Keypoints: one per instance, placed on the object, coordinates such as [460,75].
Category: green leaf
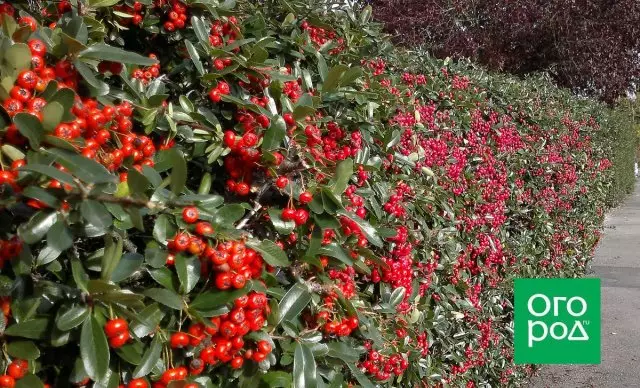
[277,379]
[275,134]
[178,172]
[323,71]
[343,351]
[344,171]
[293,302]
[111,257]
[17,58]
[66,98]
[283,227]
[52,114]
[351,75]
[147,320]
[59,237]
[96,214]
[336,251]
[363,380]
[163,228]
[102,3]
[210,300]
[165,297]
[72,317]
[188,269]
[369,231]
[304,367]
[228,214]
[25,350]
[138,183]
[129,263]
[30,127]
[270,252]
[33,231]
[105,52]
[149,359]
[94,349]
[29,381]
[51,172]
[86,169]
[365,15]
[100,87]
[195,57]
[202,32]
[37,328]
[333,78]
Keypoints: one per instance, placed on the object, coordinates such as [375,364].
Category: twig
[246,219]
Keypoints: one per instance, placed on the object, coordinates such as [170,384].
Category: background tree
[590,46]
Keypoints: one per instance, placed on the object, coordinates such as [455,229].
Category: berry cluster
[223,30]
[381,367]
[135,12]
[9,248]
[176,18]
[148,73]
[16,370]
[320,36]
[117,331]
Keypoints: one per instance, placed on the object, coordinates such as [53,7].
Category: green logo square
[557,321]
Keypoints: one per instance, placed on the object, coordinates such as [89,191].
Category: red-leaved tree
[590,46]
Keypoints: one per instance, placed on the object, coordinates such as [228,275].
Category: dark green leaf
[163,228]
[59,237]
[25,350]
[344,171]
[149,358]
[336,251]
[51,172]
[270,252]
[100,87]
[105,52]
[94,349]
[210,300]
[165,297]
[188,269]
[147,321]
[369,231]
[194,57]
[37,328]
[30,127]
[178,172]
[343,351]
[86,169]
[333,78]
[34,230]
[304,367]
[96,214]
[72,317]
[275,134]
[129,263]
[277,379]
[29,381]
[52,114]
[293,302]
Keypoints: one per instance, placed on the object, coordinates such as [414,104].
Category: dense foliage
[223,195]
[591,46]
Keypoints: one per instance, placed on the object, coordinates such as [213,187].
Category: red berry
[115,326]
[288,214]
[264,347]
[27,79]
[214,95]
[190,214]
[138,383]
[223,88]
[242,189]
[237,362]
[301,217]
[282,182]
[179,340]
[218,63]
[119,340]
[7,381]
[306,197]
[288,119]
[204,228]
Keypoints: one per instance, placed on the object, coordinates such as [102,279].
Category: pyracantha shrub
[198,194]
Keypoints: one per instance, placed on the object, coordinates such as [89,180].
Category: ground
[617,263]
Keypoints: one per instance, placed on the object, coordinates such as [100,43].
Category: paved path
[617,263]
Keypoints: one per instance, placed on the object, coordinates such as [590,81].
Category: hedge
[270,194]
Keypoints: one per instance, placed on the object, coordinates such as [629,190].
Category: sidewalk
[617,263]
